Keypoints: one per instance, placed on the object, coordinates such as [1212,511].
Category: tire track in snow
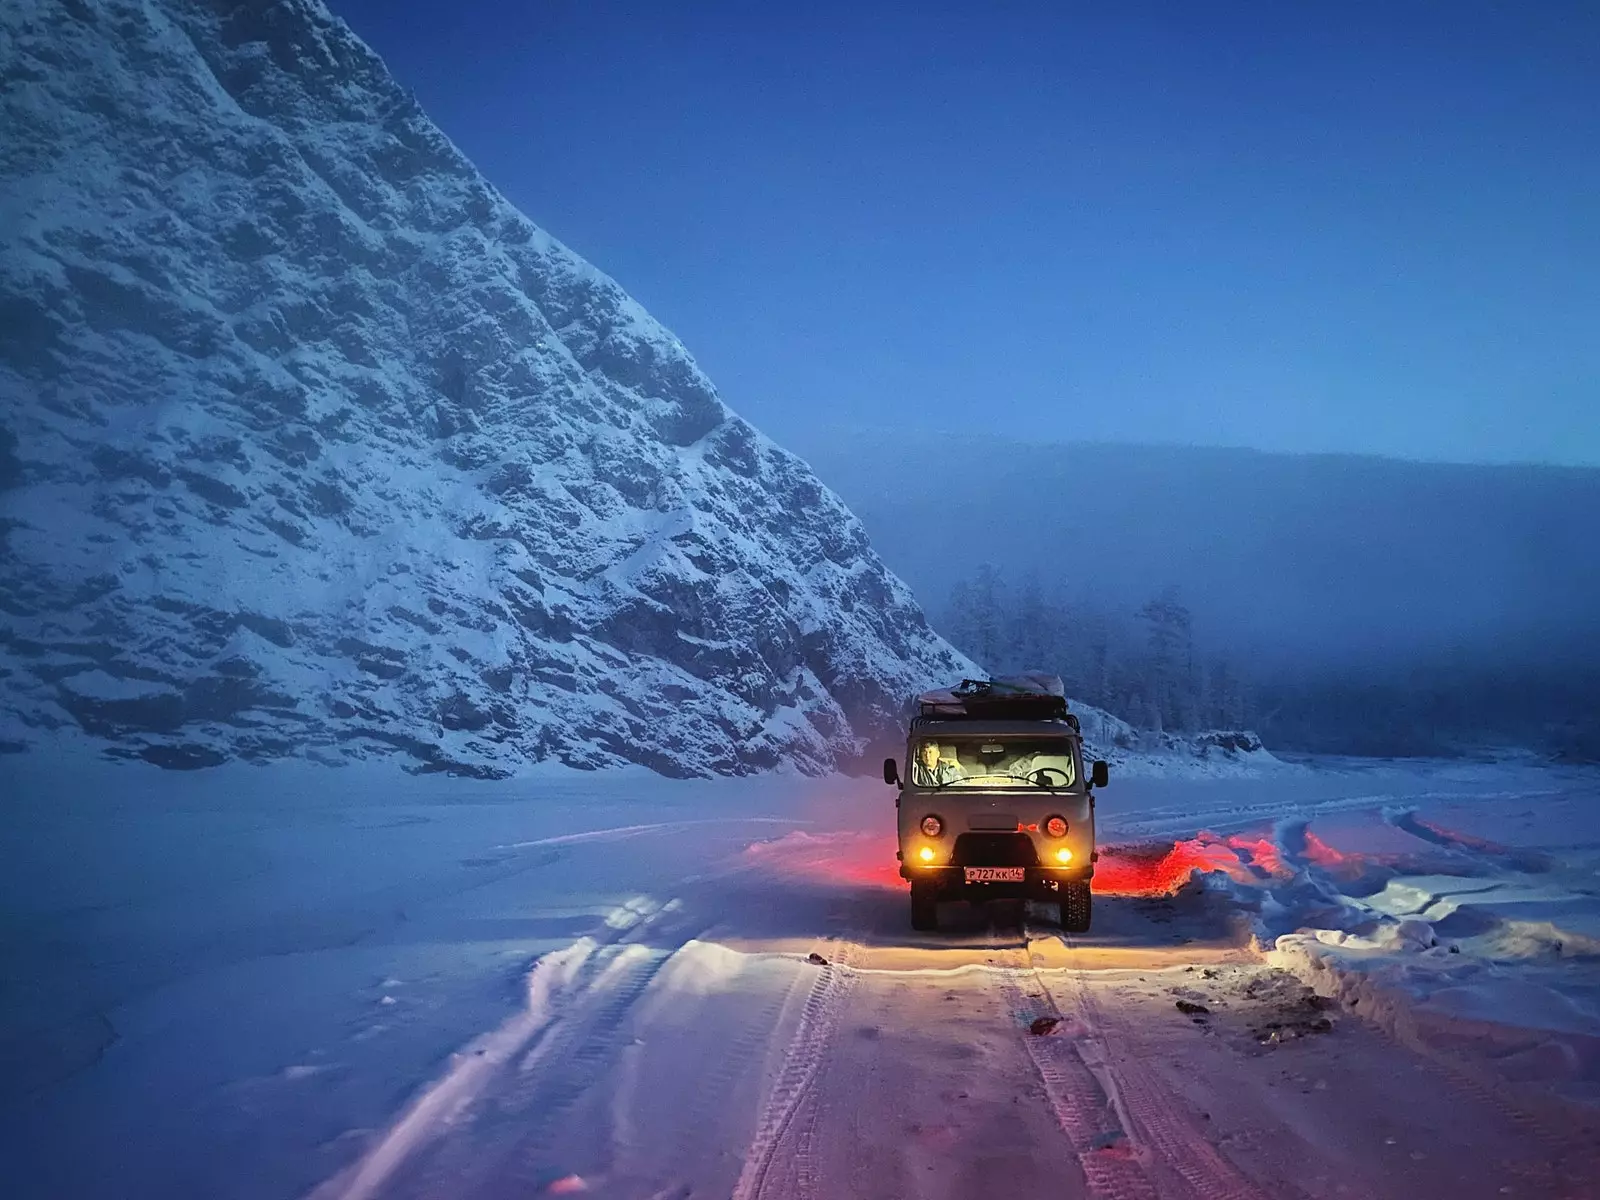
[1085,1106]
[1571,1149]
[516,1147]
[1576,1152]
[587,975]
[1185,820]
[1160,1125]
[1163,1141]
[560,1072]
[619,833]
[443,1101]
[702,1107]
[1474,849]
[788,1116]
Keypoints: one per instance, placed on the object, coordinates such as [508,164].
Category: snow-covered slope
[311,443]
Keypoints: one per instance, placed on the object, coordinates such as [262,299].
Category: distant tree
[1170,674]
[1096,657]
[987,591]
[1029,639]
[1145,667]
[960,619]
[1222,703]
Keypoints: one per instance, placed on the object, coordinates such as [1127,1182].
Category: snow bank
[1466,924]
[1143,754]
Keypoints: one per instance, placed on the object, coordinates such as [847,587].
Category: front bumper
[1037,882]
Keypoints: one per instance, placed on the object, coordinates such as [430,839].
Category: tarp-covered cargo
[1031,696]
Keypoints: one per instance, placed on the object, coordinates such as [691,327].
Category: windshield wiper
[1046,772]
[1049,787]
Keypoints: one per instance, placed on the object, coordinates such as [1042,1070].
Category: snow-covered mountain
[310,443]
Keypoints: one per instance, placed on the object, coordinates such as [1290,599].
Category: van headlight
[932,826]
[1056,826]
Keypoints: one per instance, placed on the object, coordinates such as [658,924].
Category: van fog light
[926,854]
[1064,855]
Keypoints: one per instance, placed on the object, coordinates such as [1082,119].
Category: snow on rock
[1145,753]
[311,444]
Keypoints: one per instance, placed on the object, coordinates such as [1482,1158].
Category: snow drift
[310,443]
[1452,905]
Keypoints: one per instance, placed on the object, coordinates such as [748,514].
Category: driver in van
[934,770]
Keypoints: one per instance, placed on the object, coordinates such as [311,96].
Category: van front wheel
[924,907]
[1077,906]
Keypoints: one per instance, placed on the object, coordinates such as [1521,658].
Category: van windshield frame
[1021,761]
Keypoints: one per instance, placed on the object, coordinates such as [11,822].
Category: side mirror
[1099,774]
[891,772]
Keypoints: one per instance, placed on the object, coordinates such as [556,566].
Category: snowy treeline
[1444,705]
[1146,664]
[1150,665]
[1377,607]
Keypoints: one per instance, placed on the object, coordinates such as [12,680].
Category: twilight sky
[1364,226]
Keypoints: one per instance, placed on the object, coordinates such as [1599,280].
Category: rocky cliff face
[310,443]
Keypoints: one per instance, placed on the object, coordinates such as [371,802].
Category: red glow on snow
[1321,854]
[1471,841]
[1161,868]
[1262,852]
[1158,870]
[856,858]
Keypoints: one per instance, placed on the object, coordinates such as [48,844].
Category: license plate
[995,874]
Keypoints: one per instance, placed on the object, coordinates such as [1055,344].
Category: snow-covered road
[335,984]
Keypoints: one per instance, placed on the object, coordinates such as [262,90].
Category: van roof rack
[1031,697]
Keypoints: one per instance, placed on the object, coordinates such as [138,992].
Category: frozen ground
[295,981]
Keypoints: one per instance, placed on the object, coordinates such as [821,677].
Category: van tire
[924,908]
[1077,908]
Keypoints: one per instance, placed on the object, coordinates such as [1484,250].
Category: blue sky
[1367,227]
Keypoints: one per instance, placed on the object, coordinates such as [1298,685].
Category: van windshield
[993,762]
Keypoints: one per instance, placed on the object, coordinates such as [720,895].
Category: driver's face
[929,755]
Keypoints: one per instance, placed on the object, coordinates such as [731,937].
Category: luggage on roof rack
[1030,697]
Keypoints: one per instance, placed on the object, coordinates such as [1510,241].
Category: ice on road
[356,984]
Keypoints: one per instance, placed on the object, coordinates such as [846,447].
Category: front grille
[993,820]
[995,850]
